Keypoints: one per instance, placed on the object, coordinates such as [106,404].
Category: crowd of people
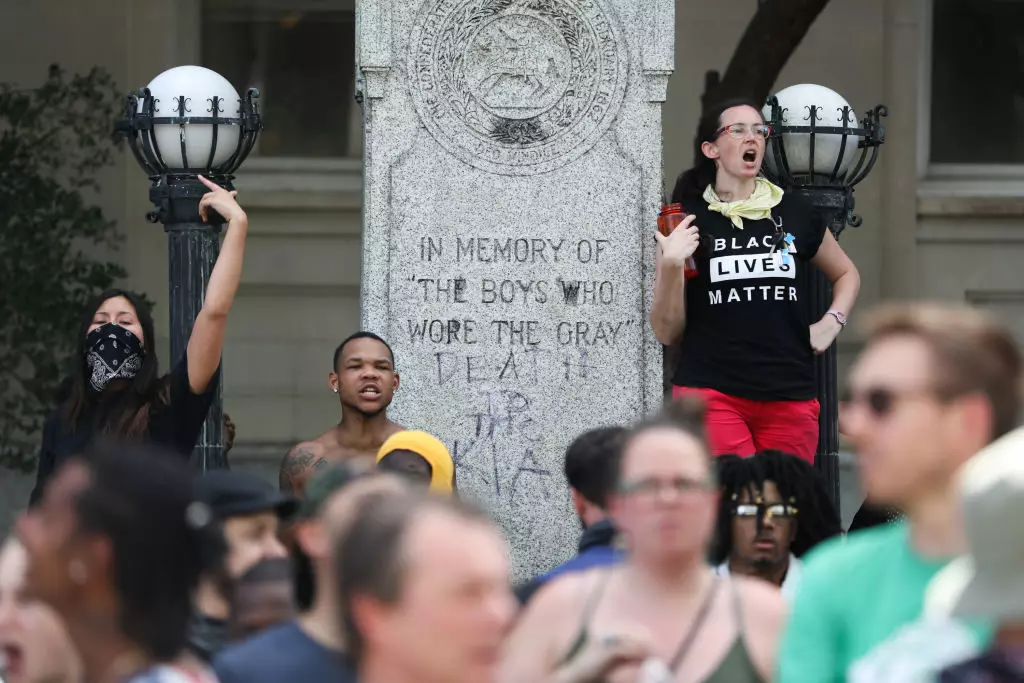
[711,550]
[691,567]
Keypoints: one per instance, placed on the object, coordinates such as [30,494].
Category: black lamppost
[173,145]
[818,150]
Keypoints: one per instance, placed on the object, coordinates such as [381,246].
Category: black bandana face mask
[112,352]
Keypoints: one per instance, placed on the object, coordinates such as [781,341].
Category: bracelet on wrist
[838,315]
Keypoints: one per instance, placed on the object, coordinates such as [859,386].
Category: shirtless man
[365,380]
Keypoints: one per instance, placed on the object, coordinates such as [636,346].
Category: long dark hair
[120,410]
[796,479]
[691,183]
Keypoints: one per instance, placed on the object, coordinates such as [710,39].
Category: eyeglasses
[740,130]
[652,488]
[780,510]
[880,401]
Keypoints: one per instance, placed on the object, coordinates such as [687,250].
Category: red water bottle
[669,219]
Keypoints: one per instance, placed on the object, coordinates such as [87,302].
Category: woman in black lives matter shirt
[115,390]
[746,341]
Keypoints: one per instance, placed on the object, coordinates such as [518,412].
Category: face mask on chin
[112,352]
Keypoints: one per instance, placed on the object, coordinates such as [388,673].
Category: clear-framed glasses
[751,510]
[654,487]
[741,130]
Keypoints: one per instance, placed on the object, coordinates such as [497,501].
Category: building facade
[942,209]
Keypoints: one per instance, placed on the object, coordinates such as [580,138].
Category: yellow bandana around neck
[756,207]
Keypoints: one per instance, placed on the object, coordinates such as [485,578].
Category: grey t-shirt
[283,653]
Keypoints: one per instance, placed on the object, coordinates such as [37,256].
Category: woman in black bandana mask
[115,389]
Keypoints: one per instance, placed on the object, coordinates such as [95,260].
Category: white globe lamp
[795,105]
[191,92]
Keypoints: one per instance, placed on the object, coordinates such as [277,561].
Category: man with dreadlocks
[774,507]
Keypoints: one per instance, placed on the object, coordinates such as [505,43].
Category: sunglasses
[780,510]
[881,401]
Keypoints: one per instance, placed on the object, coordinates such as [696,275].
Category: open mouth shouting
[750,156]
[370,392]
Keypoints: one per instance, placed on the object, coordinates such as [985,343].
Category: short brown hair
[370,558]
[972,353]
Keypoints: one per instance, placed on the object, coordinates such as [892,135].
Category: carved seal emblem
[517,87]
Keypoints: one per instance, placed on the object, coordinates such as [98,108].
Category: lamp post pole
[163,141]
[830,192]
[192,249]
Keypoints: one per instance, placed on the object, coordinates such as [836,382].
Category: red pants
[743,427]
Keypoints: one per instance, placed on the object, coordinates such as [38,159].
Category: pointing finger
[209,183]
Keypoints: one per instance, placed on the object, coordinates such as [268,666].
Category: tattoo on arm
[296,467]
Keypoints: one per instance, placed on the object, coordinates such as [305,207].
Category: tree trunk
[771,38]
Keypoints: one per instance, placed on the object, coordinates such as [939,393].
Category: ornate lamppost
[190,121]
[818,150]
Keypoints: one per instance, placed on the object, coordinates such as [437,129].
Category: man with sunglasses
[934,385]
[774,507]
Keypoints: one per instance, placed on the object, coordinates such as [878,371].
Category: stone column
[513,172]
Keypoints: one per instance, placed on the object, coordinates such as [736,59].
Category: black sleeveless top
[174,426]
[747,321]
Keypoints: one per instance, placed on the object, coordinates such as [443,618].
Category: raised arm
[842,273]
[668,310]
[207,340]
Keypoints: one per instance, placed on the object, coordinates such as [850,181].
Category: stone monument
[513,174]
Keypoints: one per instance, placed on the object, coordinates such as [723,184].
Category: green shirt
[858,617]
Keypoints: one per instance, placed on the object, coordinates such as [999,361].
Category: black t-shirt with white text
[747,324]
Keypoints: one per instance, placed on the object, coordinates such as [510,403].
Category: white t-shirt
[789,584]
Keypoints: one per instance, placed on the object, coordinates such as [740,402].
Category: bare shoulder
[567,592]
[549,614]
[299,462]
[760,600]
[544,629]
[394,428]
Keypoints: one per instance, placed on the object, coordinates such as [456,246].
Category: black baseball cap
[235,494]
